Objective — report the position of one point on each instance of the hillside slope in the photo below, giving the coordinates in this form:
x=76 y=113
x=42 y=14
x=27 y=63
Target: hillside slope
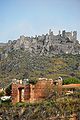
x=21 y=64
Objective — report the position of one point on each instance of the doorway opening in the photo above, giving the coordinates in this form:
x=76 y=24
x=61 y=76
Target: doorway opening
x=21 y=94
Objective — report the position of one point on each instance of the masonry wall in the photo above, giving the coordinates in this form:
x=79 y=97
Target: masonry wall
x=14 y=93
x=40 y=90
x=31 y=93
x=27 y=93
x=25 y=96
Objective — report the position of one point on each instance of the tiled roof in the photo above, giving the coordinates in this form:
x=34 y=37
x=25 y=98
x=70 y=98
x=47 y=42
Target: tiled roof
x=71 y=86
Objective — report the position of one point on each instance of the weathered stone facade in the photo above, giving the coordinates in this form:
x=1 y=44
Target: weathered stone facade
x=25 y=92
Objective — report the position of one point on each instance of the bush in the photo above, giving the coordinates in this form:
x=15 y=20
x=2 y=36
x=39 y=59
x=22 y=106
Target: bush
x=71 y=80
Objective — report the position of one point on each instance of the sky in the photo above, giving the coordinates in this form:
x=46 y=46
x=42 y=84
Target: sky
x=36 y=17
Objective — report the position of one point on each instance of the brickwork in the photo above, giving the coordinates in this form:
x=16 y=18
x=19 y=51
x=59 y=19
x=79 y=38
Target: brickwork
x=20 y=91
x=27 y=93
x=30 y=93
x=40 y=89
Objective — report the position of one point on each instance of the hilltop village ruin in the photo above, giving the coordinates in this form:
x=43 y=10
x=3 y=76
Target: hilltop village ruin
x=49 y=44
x=65 y=42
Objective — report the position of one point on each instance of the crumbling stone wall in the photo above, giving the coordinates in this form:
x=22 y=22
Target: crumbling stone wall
x=40 y=89
x=25 y=93
x=30 y=93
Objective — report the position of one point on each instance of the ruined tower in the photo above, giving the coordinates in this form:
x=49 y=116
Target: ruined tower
x=63 y=33
x=75 y=35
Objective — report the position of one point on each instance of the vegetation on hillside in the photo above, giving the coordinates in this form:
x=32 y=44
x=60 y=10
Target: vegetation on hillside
x=49 y=109
x=21 y=64
x=71 y=80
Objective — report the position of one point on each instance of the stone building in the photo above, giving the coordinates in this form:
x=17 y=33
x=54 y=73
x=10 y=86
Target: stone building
x=23 y=91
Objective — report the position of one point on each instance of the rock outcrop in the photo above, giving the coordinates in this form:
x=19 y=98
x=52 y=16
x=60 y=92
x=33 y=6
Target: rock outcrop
x=49 y=44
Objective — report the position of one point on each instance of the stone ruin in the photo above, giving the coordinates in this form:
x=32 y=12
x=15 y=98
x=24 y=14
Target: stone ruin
x=46 y=44
x=65 y=42
x=23 y=91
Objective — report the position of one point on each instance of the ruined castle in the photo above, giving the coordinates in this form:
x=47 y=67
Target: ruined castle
x=49 y=44
x=65 y=42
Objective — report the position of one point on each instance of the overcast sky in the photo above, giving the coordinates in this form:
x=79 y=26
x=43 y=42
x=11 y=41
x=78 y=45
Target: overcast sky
x=35 y=17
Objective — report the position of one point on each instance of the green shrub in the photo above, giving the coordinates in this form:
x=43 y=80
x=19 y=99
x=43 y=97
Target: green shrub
x=71 y=80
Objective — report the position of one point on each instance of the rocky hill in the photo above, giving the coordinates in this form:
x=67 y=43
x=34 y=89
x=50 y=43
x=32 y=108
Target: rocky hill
x=40 y=56
x=49 y=44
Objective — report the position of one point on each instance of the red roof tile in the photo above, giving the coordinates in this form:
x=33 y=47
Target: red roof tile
x=71 y=86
